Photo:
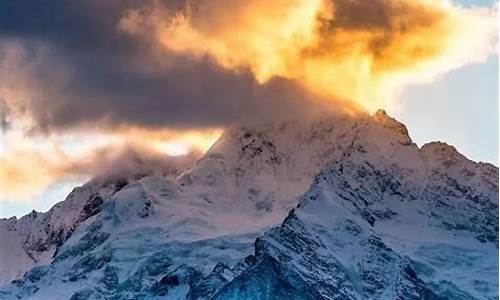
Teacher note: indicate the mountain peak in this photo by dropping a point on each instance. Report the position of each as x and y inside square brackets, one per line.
[441, 153]
[389, 122]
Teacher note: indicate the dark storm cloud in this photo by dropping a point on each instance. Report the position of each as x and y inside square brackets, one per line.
[85, 71]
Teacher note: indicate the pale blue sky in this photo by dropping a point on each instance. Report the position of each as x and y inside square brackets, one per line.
[44, 202]
[476, 2]
[461, 108]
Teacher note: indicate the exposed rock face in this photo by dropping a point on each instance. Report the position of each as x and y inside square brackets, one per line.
[35, 238]
[340, 207]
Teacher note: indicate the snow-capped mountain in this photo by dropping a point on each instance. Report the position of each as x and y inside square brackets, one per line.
[341, 207]
[373, 226]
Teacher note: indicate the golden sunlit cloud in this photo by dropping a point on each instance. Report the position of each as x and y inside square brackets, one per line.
[30, 165]
[171, 142]
[361, 51]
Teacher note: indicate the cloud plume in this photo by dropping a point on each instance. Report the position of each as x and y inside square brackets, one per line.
[361, 51]
[67, 65]
[208, 63]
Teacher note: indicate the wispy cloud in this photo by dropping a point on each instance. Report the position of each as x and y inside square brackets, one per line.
[31, 164]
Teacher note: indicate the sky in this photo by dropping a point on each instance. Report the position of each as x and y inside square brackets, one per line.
[87, 86]
[460, 109]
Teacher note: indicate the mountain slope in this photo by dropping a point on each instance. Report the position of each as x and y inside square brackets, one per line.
[375, 227]
[378, 218]
[35, 238]
[247, 182]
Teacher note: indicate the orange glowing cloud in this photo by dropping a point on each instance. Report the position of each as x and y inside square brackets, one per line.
[29, 165]
[361, 51]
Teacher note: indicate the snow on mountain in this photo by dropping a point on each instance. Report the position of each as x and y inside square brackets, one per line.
[35, 238]
[378, 218]
[247, 182]
[253, 176]
[387, 221]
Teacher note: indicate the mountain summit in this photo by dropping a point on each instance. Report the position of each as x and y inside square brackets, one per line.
[339, 207]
